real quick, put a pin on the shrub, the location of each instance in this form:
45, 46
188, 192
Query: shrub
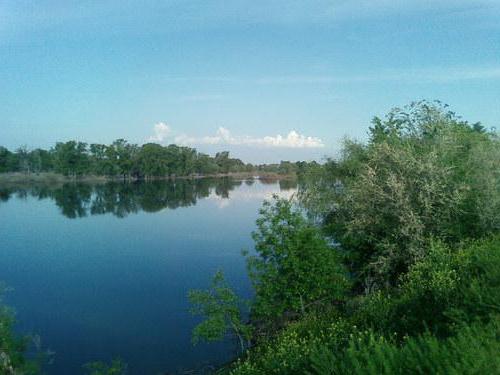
295, 269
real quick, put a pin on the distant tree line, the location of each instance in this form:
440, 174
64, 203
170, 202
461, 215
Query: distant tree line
123, 159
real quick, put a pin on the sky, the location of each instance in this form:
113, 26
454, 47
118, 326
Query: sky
266, 80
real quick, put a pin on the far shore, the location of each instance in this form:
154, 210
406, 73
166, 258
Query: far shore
49, 177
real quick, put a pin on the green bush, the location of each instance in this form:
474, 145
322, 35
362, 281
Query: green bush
473, 350
13, 360
449, 298
446, 288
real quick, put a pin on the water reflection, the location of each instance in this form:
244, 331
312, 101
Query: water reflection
76, 200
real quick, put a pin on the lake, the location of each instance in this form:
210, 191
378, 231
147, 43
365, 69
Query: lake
103, 271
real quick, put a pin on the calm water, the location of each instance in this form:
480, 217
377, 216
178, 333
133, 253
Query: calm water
103, 271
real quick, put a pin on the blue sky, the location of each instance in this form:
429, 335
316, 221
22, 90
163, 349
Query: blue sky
268, 80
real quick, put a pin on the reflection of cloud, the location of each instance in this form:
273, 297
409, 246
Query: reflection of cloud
224, 136
256, 192
161, 132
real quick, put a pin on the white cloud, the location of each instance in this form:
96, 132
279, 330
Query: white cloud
224, 137
161, 132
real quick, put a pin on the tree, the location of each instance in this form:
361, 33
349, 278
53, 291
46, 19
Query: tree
23, 158
100, 161
205, 164
124, 156
71, 158
41, 160
423, 174
5, 156
221, 308
222, 161
286, 168
295, 268
152, 160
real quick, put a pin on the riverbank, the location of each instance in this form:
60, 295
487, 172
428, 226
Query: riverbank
49, 177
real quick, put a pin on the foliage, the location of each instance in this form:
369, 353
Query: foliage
446, 288
126, 160
415, 214
474, 350
5, 155
13, 349
221, 308
423, 174
71, 158
390, 266
444, 302
116, 367
295, 268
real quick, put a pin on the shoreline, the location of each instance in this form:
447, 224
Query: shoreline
49, 177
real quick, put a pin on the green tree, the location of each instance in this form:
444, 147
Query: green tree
286, 168
205, 164
424, 174
223, 162
23, 159
71, 158
41, 160
124, 157
153, 160
5, 156
295, 267
221, 308
100, 162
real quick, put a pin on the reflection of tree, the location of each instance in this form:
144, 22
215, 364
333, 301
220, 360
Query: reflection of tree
122, 198
5, 195
267, 181
73, 199
288, 184
249, 181
225, 185
115, 198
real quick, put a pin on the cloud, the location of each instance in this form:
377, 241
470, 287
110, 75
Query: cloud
161, 132
224, 137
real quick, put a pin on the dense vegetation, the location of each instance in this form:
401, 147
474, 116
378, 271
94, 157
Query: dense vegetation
123, 159
389, 262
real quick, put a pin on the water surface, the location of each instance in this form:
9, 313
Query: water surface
103, 271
